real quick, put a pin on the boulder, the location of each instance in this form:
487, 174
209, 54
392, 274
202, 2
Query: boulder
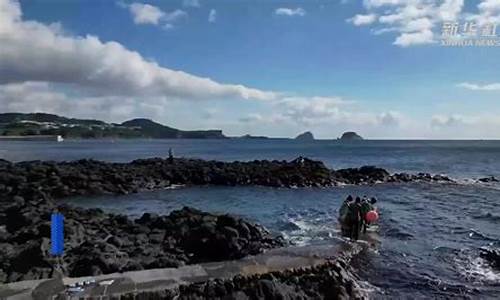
488, 179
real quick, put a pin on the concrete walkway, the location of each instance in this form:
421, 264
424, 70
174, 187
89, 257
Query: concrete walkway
158, 279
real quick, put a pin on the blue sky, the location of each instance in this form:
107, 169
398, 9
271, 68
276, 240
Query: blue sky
322, 66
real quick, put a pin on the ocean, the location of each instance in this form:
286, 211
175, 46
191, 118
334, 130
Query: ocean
429, 235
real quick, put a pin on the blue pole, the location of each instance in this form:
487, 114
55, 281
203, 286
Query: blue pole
57, 234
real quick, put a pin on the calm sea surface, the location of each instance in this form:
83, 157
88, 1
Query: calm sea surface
429, 236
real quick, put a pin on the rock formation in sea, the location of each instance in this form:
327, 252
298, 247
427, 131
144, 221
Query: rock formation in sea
350, 136
306, 136
91, 177
489, 179
492, 256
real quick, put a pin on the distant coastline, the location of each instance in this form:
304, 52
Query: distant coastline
43, 126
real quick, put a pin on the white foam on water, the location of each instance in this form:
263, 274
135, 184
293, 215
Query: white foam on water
310, 230
174, 187
478, 269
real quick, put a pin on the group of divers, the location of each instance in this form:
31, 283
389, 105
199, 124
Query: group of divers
355, 215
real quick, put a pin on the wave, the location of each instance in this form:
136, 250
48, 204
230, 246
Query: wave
475, 268
488, 216
477, 235
399, 234
174, 186
304, 230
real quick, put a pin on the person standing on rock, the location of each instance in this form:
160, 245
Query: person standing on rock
355, 219
170, 156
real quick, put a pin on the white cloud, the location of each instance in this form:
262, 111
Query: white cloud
250, 118
472, 126
168, 26
379, 3
210, 113
174, 15
390, 118
212, 16
479, 87
489, 12
490, 6
32, 51
143, 14
415, 21
450, 10
283, 11
359, 20
191, 3
30, 97
312, 111
414, 38
447, 121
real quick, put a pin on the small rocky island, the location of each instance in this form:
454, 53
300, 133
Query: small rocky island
350, 136
306, 136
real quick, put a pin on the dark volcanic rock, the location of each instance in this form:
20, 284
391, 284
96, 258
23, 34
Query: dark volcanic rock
492, 256
306, 136
420, 177
363, 175
488, 179
100, 243
90, 177
350, 136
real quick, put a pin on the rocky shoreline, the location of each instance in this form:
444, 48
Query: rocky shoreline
101, 243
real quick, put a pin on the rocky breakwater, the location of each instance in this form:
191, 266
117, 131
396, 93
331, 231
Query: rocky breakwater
374, 175
89, 177
332, 280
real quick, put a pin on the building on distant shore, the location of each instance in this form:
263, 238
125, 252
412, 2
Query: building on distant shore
55, 138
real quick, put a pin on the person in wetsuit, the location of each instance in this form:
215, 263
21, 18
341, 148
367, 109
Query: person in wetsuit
355, 219
343, 215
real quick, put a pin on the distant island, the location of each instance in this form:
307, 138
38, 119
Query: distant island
350, 136
306, 136
33, 124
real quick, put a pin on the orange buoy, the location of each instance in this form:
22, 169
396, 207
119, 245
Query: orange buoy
371, 216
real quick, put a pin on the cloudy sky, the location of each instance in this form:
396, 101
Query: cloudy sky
261, 67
